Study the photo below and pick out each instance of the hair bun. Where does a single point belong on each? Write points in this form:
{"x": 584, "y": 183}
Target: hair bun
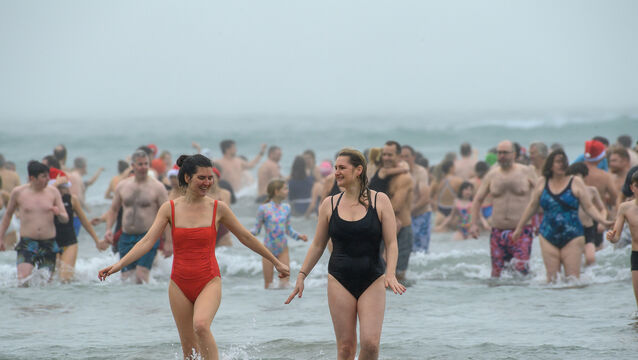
{"x": 181, "y": 160}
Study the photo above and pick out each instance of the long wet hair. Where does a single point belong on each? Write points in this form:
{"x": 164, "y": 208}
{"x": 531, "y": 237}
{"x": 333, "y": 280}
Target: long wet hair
{"x": 298, "y": 168}
{"x": 188, "y": 165}
{"x": 549, "y": 162}
{"x": 273, "y": 187}
{"x": 356, "y": 158}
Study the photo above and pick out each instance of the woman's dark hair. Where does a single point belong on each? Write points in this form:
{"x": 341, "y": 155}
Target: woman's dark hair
{"x": 35, "y": 168}
{"x": 578, "y": 168}
{"x": 464, "y": 185}
{"x": 121, "y": 166}
{"x": 188, "y": 165}
{"x": 481, "y": 168}
{"x": 446, "y": 166}
{"x": 356, "y": 158}
{"x": 549, "y": 162}
{"x": 421, "y": 160}
{"x": 298, "y": 168}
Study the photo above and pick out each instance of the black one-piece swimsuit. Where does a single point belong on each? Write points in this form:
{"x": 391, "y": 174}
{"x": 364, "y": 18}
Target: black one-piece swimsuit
{"x": 355, "y": 260}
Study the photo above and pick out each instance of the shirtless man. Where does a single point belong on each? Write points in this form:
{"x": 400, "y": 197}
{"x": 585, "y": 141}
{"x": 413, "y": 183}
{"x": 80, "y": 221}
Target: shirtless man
{"x": 233, "y": 165}
{"x": 59, "y": 152}
{"x": 38, "y": 204}
{"x": 420, "y": 210}
{"x": 123, "y": 171}
{"x": 595, "y": 152}
{"x": 593, "y": 239}
{"x": 10, "y": 179}
{"x": 465, "y": 165}
{"x": 619, "y": 165}
{"x": 78, "y": 185}
{"x": 268, "y": 171}
{"x": 140, "y": 197}
{"x": 443, "y": 192}
{"x": 510, "y": 185}
{"x": 625, "y": 142}
{"x": 400, "y": 193}
{"x": 537, "y": 154}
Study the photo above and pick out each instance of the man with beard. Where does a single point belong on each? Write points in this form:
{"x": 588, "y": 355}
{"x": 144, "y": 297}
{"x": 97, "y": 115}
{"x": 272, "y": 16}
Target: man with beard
{"x": 510, "y": 185}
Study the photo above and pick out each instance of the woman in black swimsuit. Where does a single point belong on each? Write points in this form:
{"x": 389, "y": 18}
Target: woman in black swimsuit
{"x": 357, "y": 220}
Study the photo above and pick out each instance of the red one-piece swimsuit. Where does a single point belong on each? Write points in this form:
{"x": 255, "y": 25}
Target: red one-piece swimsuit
{"x": 194, "y": 262}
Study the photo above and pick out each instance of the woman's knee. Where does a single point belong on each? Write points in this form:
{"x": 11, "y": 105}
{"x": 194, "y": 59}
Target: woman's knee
{"x": 369, "y": 347}
{"x": 346, "y": 349}
{"x": 201, "y": 326}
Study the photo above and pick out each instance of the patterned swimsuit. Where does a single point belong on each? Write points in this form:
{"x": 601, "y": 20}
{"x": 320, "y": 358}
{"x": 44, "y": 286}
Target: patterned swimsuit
{"x": 276, "y": 218}
{"x": 560, "y": 221}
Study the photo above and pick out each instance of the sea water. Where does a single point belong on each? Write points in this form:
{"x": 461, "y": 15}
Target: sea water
{"x": 451, "y": 310}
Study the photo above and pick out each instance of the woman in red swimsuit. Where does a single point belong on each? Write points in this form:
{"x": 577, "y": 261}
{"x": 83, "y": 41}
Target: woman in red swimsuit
{"x": 194, "y": 291}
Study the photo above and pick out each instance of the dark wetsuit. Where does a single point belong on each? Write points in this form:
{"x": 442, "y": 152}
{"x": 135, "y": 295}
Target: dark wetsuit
{"x": 64, "y": 232}
{"x": 355, "y": 260}
{"x": 378, "y": 184}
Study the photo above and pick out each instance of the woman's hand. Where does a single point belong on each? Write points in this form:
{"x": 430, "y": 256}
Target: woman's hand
{"x": 282, "y": 269}
{"x": 394, "y": 284}
{"x": 516, "y": 234}
{"x": 298, "y": 290}
{"x": 109, "y": 270}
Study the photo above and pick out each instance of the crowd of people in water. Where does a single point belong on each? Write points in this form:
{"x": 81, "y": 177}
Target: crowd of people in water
{"x": 373, "y": 210}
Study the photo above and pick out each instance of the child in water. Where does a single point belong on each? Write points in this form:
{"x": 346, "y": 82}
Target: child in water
{"x": 275, "y": 217}
{"x": 461, "y": 209}
{"x": 628, "y": 211}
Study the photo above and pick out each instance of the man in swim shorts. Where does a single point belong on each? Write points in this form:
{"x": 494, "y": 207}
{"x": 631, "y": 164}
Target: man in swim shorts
{"x": 140, "y": 197}
{"x": 400, "y": 193}
{"x": 420, "y": 210}
{"x": 510, "y": 185}
{"x": 38, "y": 204}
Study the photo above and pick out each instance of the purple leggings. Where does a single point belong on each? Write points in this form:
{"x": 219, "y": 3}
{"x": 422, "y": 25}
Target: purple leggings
{"x": 503, "y": 249}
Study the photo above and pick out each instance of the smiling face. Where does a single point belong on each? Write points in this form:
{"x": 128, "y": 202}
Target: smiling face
{"x": 345, "y": 172}
{"x": 201, "y": 181}
{"x": 390, "y": 156}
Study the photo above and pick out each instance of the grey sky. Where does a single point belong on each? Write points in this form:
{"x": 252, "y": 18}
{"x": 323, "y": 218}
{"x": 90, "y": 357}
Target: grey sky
{"x": 121, "y": 58}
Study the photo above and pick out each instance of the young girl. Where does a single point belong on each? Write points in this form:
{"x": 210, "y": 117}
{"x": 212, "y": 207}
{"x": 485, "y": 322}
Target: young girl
{"x": 461, "y": 209}
{"x": 275, "y": 216}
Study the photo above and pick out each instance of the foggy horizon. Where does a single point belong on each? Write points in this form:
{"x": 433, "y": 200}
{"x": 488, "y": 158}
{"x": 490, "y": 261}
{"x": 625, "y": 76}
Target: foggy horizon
{"x": 119, "y": 59}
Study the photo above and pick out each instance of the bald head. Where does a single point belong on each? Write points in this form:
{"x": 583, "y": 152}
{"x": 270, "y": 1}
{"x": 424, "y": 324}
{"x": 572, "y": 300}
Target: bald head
{"x": 505, "y": 145}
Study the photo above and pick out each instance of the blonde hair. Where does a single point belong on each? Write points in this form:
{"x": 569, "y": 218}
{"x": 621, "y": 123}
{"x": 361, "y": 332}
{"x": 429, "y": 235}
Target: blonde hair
{"x": 374, "y": 156}
{"x": 272, "y": 188}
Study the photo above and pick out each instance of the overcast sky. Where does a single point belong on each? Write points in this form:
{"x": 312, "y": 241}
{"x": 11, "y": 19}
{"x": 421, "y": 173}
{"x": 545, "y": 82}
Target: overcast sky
{"x": 138, "y": 58}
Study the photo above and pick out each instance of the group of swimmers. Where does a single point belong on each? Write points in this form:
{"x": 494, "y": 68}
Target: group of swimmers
{"x": 372, "y": 211}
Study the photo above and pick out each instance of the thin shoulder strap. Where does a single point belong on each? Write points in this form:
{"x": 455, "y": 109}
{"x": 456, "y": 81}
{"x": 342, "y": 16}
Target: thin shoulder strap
{"x": 339, "y": 199}
{"x": 375, "y": 199}
{"x": 172, "y": 214}
{"x": 214, "y": 215}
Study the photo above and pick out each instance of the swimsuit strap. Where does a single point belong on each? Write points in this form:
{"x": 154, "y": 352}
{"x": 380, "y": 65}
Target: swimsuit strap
{"x": 339, "y": 200}
{"x": 375, "y": 199}
{"x": 172, "y": 216}
{"x": 214, "y": 215}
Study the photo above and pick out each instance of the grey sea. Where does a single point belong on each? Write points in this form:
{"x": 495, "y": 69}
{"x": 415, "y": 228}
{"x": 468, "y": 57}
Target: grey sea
{"x": 451, "y": 309}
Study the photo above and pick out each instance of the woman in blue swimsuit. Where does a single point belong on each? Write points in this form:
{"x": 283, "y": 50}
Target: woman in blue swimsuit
{"x": 357, "y": 220}
{"x": 561, "y": 232}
